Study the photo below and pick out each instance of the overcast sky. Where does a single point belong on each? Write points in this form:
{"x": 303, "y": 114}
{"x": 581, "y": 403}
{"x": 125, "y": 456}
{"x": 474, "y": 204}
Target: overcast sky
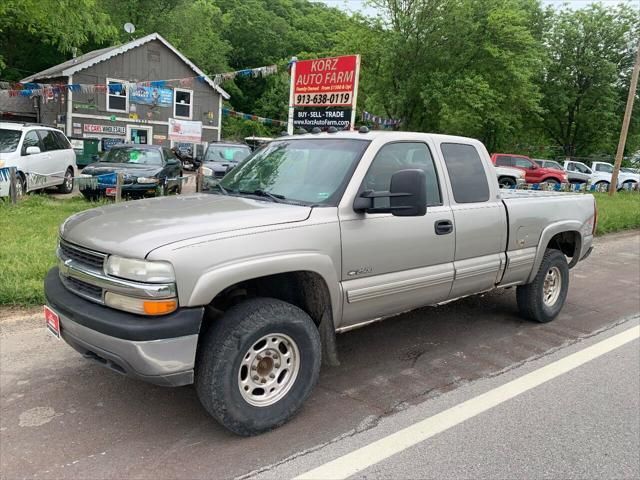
{"x": 361, "y": 5}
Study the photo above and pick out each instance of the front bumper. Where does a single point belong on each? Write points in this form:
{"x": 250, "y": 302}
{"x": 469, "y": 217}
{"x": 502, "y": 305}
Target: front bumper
{"x": 159, "y": 350}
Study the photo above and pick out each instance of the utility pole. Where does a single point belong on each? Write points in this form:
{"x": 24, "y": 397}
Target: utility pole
{"x": 625, "y": 124}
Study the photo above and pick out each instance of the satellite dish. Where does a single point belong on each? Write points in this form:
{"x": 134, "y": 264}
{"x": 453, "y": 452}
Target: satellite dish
{"x": 129, "y": 27}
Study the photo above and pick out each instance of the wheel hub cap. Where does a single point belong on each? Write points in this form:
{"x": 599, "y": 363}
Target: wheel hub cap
{"x": 268, "y": 370}
{"x": 552, "y": 286}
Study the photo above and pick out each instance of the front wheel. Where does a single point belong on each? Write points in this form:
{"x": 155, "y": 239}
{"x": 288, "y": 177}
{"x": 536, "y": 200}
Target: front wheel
{"x": 542, "y": 299}
{"x": 602, "y": 186}
{"x": 257, "y": 365}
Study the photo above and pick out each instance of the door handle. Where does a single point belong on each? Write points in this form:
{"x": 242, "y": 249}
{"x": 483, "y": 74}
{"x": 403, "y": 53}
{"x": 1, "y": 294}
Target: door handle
{"x": 443, "y": 227}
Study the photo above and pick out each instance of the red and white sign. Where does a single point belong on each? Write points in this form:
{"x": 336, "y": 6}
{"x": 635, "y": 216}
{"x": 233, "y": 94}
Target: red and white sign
{"x": 325, "y": 82}
{"x": 52, "y": 321}
{"x": 185, "y": 130}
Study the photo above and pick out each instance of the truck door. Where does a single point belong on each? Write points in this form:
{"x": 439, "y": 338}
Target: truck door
{"x": 392, "y": 264}
{"x": 480, "y": 220}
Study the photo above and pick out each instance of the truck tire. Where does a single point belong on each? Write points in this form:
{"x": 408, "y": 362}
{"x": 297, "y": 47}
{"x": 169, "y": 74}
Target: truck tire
{"x": 506, "y": 182}
{"x": 602, "y": 186}
{"x": 257, "y": 365}
{"x": 542, "y": 299}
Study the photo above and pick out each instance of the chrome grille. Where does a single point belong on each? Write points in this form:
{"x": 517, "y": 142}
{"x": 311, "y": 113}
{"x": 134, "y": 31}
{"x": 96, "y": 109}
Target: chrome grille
{"x": 82, "y": 288}
{"x": 83, "y": 256}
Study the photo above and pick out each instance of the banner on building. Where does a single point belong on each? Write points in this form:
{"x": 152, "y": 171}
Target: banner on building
{"x": 185, "y": 130}
{"x": 162, "y": 97}
{"x": 321, "y": 83}
{"x": 104, "y": 129}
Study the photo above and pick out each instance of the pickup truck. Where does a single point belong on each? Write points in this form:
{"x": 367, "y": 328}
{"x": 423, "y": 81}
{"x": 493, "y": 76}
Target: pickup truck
{"x": 534, "y": 173}
{"x": 242, "y": 291}
{"x": 600, "y": 174}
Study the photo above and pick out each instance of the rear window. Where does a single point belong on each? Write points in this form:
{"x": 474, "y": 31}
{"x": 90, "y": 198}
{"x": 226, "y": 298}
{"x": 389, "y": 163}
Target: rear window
{"x": 466, "y": 172}
{"x": 9, "y": 140}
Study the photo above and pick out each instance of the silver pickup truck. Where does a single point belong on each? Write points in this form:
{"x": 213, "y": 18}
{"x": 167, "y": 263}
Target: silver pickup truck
{"x": 242, "y": 291}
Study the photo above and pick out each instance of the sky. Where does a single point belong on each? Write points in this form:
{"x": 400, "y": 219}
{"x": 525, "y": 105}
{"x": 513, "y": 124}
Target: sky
{"x": 363, "y": 6}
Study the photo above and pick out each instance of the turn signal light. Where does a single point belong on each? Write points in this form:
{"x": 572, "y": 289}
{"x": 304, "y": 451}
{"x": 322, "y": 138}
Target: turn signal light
{"x": 159, "y": 307}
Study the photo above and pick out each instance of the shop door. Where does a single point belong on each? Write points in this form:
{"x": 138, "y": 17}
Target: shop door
{"x": 139, "y": 135}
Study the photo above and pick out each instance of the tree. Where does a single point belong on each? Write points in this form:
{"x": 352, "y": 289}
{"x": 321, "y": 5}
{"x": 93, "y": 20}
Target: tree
{"x": 35, "y": 34}
{"x": 586, "y": 76}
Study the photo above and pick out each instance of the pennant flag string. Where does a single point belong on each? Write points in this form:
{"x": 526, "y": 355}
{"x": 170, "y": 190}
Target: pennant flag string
{"x": 255, "y": 118}
{"x": 27, "y": 89}
{"x": 385, "y": 122}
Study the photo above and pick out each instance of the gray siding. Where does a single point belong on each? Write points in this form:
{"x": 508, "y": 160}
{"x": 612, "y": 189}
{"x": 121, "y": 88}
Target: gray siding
{"x": 148, "y": 62}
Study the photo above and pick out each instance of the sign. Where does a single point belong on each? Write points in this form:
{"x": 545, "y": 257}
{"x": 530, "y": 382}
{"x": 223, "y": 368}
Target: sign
{"x": 185, "y": 130}
{"x": 84, "y": 106}
{"x": 321, "y": 83}
{"x": 105, "y": 129}
{"x": 77, "y": 131}
{"x": 107, "y": 143}
{"x": 162, "y": 97}
{"x": 322, "y": 118}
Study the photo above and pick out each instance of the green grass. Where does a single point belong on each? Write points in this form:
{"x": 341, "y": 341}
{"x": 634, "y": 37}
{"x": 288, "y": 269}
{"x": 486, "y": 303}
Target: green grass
{"x": 620, "y": 212}
{"x": 29, "y": 233}
{"x": 27, "y": 244}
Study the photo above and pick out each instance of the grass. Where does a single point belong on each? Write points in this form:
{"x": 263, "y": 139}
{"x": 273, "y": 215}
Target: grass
{"x": 620, "y": 212}
{"x": 30, "y": 232}
{"x": 28, "y": 242}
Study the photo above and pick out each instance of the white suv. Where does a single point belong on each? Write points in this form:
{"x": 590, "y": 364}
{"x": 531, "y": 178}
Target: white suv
{"x": 42, "y": 156}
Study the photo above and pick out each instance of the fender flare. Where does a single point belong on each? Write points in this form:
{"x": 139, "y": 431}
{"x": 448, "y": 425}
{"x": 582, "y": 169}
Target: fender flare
{"x": 545, "y": 237}
{"x": 214, "y": 281}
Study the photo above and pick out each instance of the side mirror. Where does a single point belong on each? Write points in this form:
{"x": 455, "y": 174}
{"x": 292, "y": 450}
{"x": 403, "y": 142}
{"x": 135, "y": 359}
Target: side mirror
{"x": 407, "y": 196}
{"x": 173, "y": 161}
{"x": 32, "y": 150}
{"x": 534, "y": 166}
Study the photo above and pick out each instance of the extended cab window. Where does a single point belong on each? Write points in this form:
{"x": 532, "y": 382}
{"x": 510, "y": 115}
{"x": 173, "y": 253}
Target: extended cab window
{"x": 402, "y": 156}
{"x": 466, "y": 172}
{"x": 504, "y": 161}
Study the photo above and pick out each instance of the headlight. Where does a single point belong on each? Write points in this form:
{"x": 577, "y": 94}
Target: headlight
{"x": 207, "y": 172}
{"x": 140, "y": 270}
{"x": 147, "y": 180}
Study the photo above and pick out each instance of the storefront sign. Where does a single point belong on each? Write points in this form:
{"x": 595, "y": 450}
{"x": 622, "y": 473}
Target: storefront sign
{"x": 107, "y": 143}
{"x": 163, "y": 97}
{"x": 185, "y": 130}
{"x": 320, "y": 83}
{"x": 322, "y": 118}
{"x": 84, "y": 106}
{"x": 104, "y": 129}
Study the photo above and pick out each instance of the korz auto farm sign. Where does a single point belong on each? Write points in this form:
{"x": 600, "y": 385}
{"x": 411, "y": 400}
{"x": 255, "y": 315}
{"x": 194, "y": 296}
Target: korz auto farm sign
{"x": 324, "y": 92}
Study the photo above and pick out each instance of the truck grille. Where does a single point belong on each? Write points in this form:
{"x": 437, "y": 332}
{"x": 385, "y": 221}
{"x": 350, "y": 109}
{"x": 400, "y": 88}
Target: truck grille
{"x": 82, "y": 256}
{"x": 82, "y": 288}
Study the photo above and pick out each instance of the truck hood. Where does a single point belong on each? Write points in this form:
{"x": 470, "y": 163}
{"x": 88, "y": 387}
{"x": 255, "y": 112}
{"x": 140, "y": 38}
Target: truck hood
{"x": 137, "y": 227}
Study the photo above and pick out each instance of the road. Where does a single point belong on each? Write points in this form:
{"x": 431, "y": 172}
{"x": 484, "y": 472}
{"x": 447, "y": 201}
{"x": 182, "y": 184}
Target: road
{"x": 64, "y": 417}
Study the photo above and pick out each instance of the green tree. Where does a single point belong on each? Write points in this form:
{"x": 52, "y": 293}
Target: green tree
{"x": 35, "y": 34}
{"x": 585, "y": 79}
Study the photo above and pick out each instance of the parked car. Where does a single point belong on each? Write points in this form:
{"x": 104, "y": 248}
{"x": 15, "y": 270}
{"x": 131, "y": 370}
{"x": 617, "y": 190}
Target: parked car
{"x": 42, "y": 155}
{"x": 600, "y": 175}
{"x": 626, "y": 180}
{"x": 574, "y": 178}
{"x": 242, "y": 292}
{"x": 533, "y": 172}
{"x": 221, "y": 157}
{"x": 144, "y": 168}
{"x": 509, "y": 177}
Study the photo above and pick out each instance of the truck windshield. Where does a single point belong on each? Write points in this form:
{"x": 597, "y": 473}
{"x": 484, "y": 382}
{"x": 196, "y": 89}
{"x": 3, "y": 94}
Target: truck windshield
{"x": 310, "y": 171}
{"x": 227, "y": 153}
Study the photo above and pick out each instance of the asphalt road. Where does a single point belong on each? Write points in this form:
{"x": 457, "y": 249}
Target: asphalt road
{"x": 64, "y": 417}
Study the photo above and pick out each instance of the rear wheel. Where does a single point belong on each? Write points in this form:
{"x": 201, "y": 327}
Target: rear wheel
{"x": 602, "y": 186}
{"x": 629, "y": 185}
{"x": 67, "y": 184}
{"x": 20, "y": 185}
{"x": 542, "y": 299}
{"x": 257, "y": 365}
{"x": 506, "y": 182}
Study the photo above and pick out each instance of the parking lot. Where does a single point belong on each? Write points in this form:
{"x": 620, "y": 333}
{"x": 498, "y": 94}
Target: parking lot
{"x": 64, "y": 417}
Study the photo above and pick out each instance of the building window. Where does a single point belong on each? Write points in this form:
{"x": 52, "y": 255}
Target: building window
{"x": 117, "y": 98}
{"x": 182, "y": 103}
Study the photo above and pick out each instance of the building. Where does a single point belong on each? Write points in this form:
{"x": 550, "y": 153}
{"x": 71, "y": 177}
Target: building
{"x": 121, "y": 95}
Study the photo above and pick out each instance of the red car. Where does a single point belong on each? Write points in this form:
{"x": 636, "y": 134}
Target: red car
{"x": 533, "y": 173}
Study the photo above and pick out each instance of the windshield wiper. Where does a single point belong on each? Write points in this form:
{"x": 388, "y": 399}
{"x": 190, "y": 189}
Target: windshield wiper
{"x": 277, "y": 198}
{"x": 222, "y": 189}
